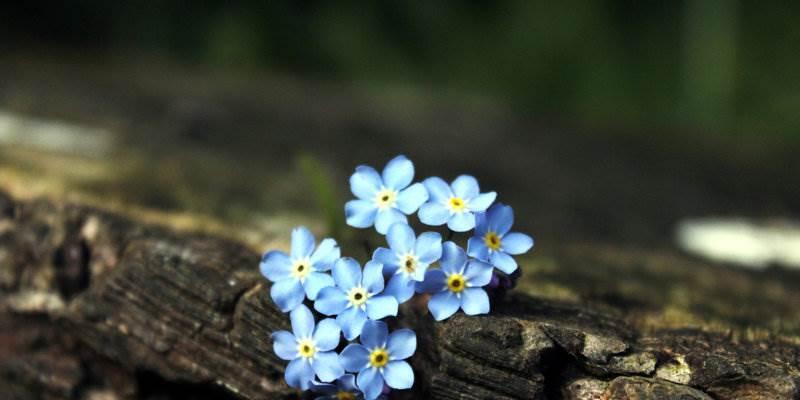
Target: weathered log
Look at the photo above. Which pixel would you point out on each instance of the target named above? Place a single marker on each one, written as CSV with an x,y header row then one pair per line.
x,y
96,306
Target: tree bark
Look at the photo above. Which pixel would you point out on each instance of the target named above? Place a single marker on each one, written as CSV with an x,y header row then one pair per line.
x,y
96,306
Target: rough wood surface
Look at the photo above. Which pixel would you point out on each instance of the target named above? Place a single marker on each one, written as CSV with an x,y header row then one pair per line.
x,y
95,306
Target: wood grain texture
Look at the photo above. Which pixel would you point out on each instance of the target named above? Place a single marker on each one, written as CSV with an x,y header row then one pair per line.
x,y
96,306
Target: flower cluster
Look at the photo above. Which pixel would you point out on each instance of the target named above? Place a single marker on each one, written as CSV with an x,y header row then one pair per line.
x,y
357,299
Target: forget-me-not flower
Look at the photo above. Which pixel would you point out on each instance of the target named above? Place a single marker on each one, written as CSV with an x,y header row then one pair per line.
x,y
407,258
379,358
386,198
458,284
356,296
454,204
494,243
299,273
310,349
343,388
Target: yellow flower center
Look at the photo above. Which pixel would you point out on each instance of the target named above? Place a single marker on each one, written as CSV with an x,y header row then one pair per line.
x,y
491,240
385,199
457,204
408,263
378,358
456,283
357,296
345,396
301,268
306,348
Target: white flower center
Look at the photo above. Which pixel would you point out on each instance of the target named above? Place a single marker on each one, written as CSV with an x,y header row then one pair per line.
x,y
408,263
301,268
357,296
306,348
385,198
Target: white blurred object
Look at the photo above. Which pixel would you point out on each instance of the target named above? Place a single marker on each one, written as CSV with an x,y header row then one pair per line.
x,y
742,241
52,135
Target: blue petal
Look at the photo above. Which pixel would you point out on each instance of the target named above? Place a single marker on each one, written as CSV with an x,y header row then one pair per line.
x,y
326,365
461,222
386,257
435,281
370,382
410,199
453,258
419,272
299,374
379,307
348,383
402,344
352,322
360,213
387,218
443,304
476,248
324,388
516,243
434,214
315,282
401,287
302,322
500,218
287,294
374,334
325,255
465,187
503,262
429,247
347,273
478,273
438,189
302,242
327,335
474,301
398,375
401,238
481,223
398,173
365,182
354,357
331,301
482,201
285,345
373,277
275,265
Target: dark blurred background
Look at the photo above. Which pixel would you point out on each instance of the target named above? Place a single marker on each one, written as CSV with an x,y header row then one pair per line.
x,y
724,66
600,121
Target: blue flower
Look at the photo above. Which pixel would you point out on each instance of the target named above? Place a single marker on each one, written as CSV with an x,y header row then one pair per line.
x,y
379,358
457,284
408,258
301,273
454,204
384,199
343,389
356,296
309,349
492,241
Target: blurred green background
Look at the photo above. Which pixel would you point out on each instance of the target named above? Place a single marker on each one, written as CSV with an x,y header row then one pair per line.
x,y
605,124
714,65
600,121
